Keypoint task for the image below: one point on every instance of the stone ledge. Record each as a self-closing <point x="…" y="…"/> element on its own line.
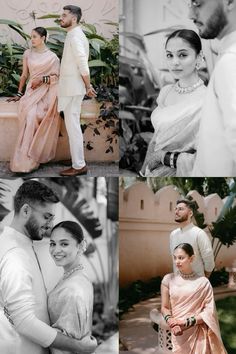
<point x="89" y="114"/>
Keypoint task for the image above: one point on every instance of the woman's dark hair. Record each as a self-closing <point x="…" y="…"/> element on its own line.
<point x="187" y="248"/>
<point x="189" y="36"/>
<point x="73" y="228"/>
<point x="41" y="31"/>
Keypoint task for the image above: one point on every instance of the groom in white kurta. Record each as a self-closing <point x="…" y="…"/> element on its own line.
<point x="74" y="83"/>
<point x="203" y="263"/>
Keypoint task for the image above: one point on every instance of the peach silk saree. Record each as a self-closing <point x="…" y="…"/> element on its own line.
<point x="39" y="121"/>
<point x="190" y="297"/>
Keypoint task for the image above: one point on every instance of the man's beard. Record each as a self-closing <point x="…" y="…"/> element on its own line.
<point x="182" y="219"/>
<point x="215" y="24"/>
<point x="35" y="232"/>
<point x="66" y="25"/>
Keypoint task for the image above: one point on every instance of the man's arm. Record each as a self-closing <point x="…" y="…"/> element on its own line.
<point x="19" y="301"/>
<point x="85" y="346"/>
<point x="81" y="57"/>
<point x="225" y="88"/>
<point x="206" y="252"/>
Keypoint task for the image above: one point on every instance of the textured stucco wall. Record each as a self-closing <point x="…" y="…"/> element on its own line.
<point x="96" y="12"/>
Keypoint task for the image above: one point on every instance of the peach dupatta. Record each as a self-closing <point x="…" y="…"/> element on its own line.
<point x="190" y="297"/>
<point x="39" y="121"/>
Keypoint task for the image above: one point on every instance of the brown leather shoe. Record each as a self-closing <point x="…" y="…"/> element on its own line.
<point x="74" y="171"/>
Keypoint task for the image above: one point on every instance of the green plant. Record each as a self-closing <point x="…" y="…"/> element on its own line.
<point x="219" y="277"/>
<point x="226" y="310"/>
<point x="106" y="121"/>
<point x="10" y="68"/>
<point x="3" y="210"/>
<point x="103" y="60"/>
<point x="136" y="292"/>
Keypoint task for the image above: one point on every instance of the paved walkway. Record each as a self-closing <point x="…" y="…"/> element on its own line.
<point x="136" y="333"/>
<point x="53" y="169"/>
<point x="110" y="346"/>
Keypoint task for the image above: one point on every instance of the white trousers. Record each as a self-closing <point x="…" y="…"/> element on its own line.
<point x="72" y="112"/>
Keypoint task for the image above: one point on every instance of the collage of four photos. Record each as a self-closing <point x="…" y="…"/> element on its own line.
<point x="118" y="177"/>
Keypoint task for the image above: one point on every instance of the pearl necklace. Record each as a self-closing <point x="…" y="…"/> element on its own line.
<point x="189" y="88"/>
<point x="187" y="276"/>
<point x="69" y="272"/>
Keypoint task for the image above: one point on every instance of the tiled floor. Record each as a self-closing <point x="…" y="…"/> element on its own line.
<point x="53" y="169"/>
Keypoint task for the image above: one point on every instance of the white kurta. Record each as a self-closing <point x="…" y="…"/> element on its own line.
<point x="74" y="65"/>
<point x="216" y="150"/>
<point x="198" y="239"/>
<point x="23" y="295"/>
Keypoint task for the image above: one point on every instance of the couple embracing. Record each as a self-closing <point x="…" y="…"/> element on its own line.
<point x="52" y="88"/>
<point x="32" y="321"/>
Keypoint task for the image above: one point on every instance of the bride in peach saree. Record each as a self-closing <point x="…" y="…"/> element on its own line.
<point x="39" y="121"/>
<point x="188" y="308"/>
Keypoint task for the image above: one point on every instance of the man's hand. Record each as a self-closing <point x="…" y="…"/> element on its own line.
<point x="90" y="92"/>
<point x="36" y="83"/>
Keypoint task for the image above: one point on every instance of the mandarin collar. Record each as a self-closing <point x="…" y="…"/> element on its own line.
<point x="73" y="29"/>
<point x="187" y="227"/>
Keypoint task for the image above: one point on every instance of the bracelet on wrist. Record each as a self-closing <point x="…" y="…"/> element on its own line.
<point x="170" y="159"/>
<point x="46" y="79"/>
<point x="190" y="322"/>
<point x="19" y="94"/>
<point x="166" y="317"/>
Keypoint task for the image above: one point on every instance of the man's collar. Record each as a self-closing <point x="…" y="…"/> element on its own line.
<point x="19" y="236"/>
<point x="186" y="227"/>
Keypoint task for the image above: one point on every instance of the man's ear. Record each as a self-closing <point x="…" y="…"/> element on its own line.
<point x="25" y="210"/>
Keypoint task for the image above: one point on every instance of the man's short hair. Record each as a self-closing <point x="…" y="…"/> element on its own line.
<point x="33" y="192"/>
<point x="75" y="10"/>
<point x="191" y="204"/>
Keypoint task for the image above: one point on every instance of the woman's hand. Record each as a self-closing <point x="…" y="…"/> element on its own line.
<point x="13" y="99"/>
<point x="172" y="322"/>
<point x="36" y="83"/>
<point x="177" y="331"/>
<point x="89" y="344"/>
<point x="154" y="159"/>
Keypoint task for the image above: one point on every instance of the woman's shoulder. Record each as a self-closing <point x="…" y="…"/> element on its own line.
<point x="165" y="89"/>
<point x="204" y="281"/>
<point x="52" y="54"/>
<point x="167" y="278"/>
<point x="27" y="53"/>
<point x="163" y="93"/>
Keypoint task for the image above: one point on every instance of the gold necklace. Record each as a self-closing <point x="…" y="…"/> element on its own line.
<point x="187" y="276"/>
